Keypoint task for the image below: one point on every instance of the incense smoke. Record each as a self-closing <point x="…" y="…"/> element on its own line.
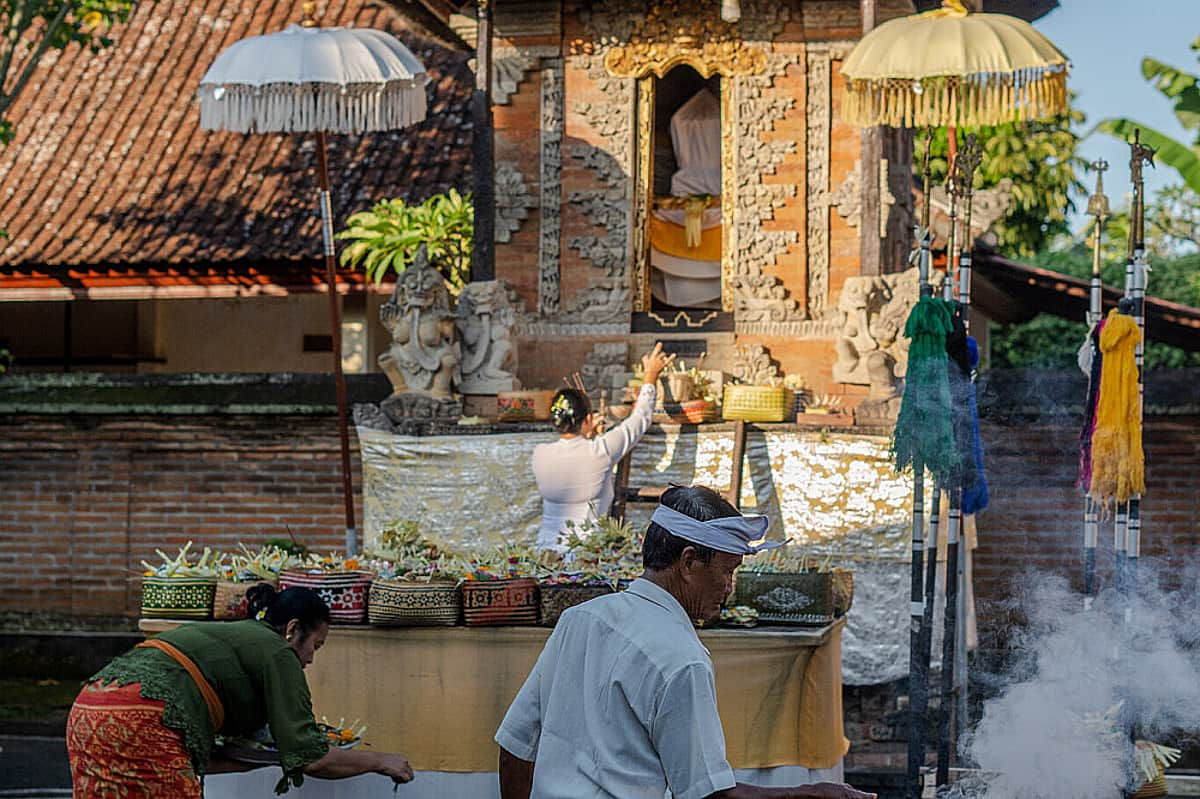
<point x="1042" y="736"/>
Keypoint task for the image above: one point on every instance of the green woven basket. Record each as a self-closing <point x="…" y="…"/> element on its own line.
<point x="757" y="403"/>
<point x="178" y="597"/>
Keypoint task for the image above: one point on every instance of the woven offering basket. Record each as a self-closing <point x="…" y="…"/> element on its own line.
<point x="757" y="403"/>
<point x="500" y="602"/>
<point x="557" y="597"/>
<point x="401" y="603"/>
<point x="229" y="600"/>
<point x="344" y="591"/>
<point x="1155" y="788"/>
<point x="178" y="597"/>
<point x="803" y="598"/>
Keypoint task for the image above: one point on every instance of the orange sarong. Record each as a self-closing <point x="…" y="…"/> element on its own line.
<point x="118" y="746"/>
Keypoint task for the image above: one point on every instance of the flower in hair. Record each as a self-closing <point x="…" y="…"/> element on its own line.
<point x="262" y="614"/>
<point x="561" y="405"/>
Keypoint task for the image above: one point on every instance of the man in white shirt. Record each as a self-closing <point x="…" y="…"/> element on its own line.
<point x="622" y="702"/>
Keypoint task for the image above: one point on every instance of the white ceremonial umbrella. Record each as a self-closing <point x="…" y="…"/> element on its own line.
<point x="308" y="79"/>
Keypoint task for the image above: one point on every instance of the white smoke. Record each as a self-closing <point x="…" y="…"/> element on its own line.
<point x="1130" y="657"/>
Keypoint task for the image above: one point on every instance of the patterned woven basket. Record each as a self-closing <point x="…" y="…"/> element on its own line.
<point x="1155" y="788"/>
<point x="693" y="412"/>
<point x="803" y="598"/>
<point x="757" y="403"/>
<point x="408" y="604"/>
<point x="497" y="602"/>
<point x="344" y="591"/>
<point x="556" y="597"/>
<point x="229" y="601"/>
<point x="178" y="597"/>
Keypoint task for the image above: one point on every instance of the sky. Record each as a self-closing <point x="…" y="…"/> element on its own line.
<point x="1106" y="41"/>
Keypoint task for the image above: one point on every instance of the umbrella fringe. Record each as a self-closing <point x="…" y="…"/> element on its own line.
<point x="292" y="108"/>
<point x="971" y="101"/>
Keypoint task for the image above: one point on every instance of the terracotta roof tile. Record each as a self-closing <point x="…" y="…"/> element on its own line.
<point x="110" y="166"/>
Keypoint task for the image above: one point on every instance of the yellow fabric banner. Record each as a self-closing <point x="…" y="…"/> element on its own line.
<point x="438" y="694"/>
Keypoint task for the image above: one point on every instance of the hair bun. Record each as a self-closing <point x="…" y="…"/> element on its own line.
<point x="259" y="598"/>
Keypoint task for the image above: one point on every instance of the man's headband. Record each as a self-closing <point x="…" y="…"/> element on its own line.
<point x="737" y="535"/>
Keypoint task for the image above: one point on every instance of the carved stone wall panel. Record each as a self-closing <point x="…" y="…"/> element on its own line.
<point x="550" y="234"/>
<point x="606" y="299"/>
<point x="604" y="368"/>
<point x="513" y="201"/>
<point x="759" y="297"/>
<point x="752" y="364"/>
<point x="817" y="174"/>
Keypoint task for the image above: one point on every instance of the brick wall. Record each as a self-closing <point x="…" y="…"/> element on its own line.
<point x="86" y="498"/>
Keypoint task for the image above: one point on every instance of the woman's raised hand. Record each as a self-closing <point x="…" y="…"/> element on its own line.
<point x="654" y="362"/>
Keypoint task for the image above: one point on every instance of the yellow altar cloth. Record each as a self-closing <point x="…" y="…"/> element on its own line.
<point x="670" y="238"/>
<point x="438" y="694"/>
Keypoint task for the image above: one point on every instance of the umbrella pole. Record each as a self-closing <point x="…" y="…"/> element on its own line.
<point x="335" y="315"/>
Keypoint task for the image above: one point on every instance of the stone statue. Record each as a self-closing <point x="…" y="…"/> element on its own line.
<point x="487" y="315"/>
<point x="871" y="347"/>
<point x="423" y="357"/>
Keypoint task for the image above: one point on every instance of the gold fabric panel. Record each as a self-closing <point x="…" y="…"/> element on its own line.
<point x="672" y="239"/>
<point x="438" y="695"/>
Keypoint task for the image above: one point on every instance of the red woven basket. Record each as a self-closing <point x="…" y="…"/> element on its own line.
<point x="499" y="602"/>
<point x="344" y="591"/>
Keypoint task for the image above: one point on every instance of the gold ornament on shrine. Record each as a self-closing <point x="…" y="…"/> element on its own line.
<point x="670" y="36"/>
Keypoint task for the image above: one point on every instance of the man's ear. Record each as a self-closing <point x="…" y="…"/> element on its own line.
<point x="687" y="562"/>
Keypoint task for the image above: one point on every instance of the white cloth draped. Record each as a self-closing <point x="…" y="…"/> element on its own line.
<point x="696" y="137"/>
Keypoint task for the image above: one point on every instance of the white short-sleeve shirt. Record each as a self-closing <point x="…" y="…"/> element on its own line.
<point x="622" y="704"/>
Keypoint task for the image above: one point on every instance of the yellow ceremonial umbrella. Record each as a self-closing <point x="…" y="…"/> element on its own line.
<point x="950" y="67"/>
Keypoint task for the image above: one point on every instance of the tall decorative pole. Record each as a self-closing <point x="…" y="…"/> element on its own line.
<point x="1140" y="154"/>
<point x="919" y="626"/>
<point x="1098" y="208"/>
<point x="483" y="259"/>
<point x="965" y="164"/>
<point x="970" y="157"/>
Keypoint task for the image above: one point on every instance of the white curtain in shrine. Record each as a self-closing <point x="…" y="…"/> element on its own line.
<point x="696" y="136"/>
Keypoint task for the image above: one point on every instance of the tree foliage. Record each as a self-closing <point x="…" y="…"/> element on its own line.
<point x="1039" y="158"/>
<point x="385" y="239"/>
<point x="32" y="27"/>
<point x="1183" y="90"/>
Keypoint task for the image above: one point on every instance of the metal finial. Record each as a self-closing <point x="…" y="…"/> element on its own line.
<point x="309" y="10"/>
<point x="1098" y="202"/>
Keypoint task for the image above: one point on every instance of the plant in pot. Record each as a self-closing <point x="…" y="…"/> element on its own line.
<point x="500" y="585"/>
<point x="786" y="587"/>
<point x="416" y="583"/>
<point x="597" y="556"/>
<point x="386" y="238"/>
<point x="245" y="570"/>
<point x="180" y="588"/>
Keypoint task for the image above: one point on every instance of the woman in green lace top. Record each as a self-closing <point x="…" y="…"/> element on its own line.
<point x="145" y="724"/>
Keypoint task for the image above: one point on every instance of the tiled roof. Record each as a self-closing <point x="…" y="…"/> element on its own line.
<point x="110" y="168"/>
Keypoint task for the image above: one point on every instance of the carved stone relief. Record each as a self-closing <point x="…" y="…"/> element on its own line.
<point x="606" y="298"/>
<point x="513" y="201"/>
<point x="819" y="58"/>
<point x="549" y="247"/>
<point x="488" y="312"/>
<point x="848" y="197"/>
<point x="604" y="368"/>
<point x="871" y="349"/>
<point x="510" y="65"/>
<point x="672" y="33"/>
<point x="752" y="364"/>
<point x="759" y="297"/>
